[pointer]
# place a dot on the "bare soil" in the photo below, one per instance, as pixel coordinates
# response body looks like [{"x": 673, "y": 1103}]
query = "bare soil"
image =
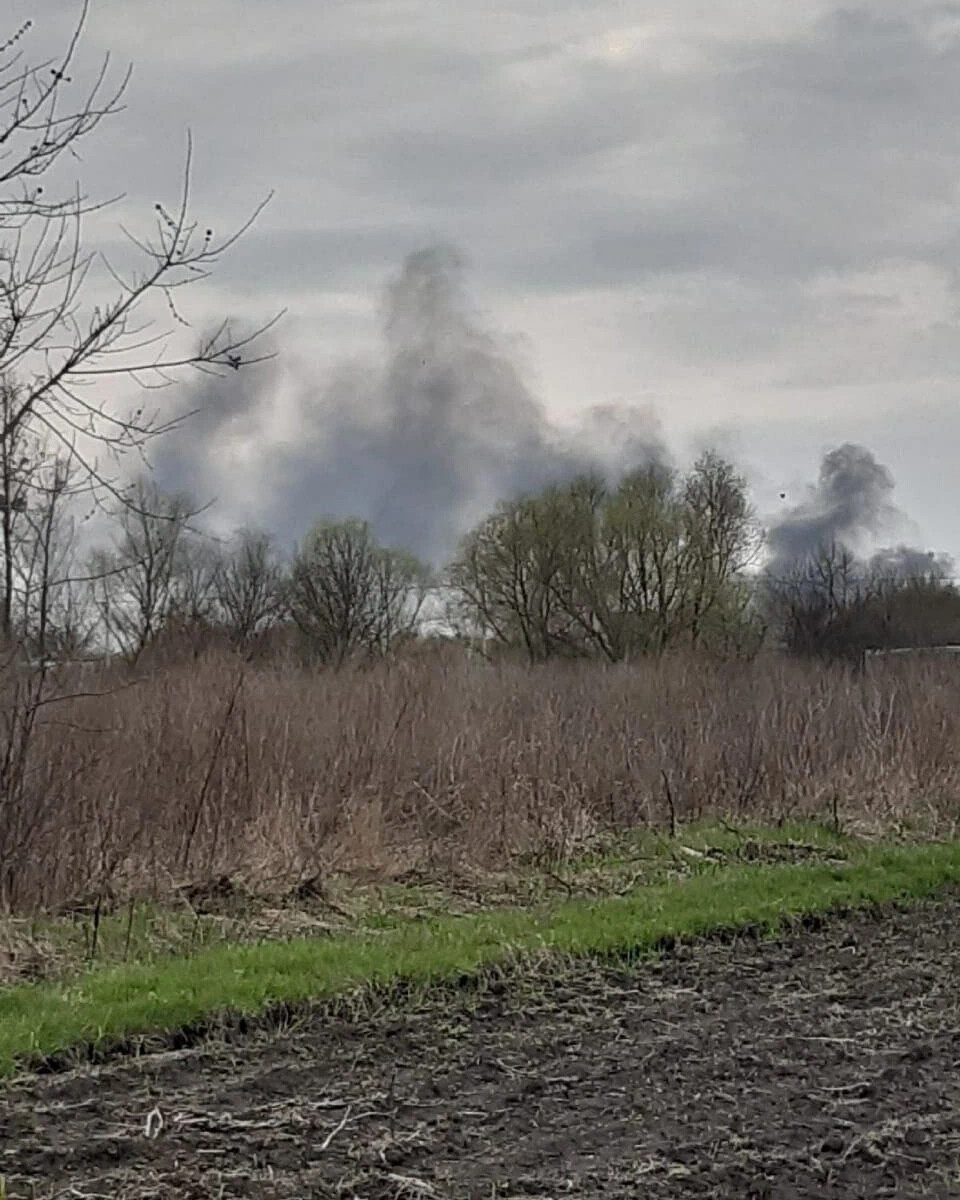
[{"x": 824, "y": 1064}]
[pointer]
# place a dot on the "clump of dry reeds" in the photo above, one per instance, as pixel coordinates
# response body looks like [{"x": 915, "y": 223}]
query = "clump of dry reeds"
[{"x": 259, "y": 772}]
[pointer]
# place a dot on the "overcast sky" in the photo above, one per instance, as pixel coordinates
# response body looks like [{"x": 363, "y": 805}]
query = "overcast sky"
[{"x": 739, "y": 219}]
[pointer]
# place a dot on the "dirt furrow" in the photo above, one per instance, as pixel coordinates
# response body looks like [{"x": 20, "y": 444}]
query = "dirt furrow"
[{"x": 823, "y": 1064}]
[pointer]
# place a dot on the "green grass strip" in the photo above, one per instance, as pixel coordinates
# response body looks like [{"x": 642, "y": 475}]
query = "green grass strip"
[{"x": 121, "y": 1001}]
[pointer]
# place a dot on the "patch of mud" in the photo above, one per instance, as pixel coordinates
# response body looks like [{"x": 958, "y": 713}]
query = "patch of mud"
[{"x": 825, "y": 1064}]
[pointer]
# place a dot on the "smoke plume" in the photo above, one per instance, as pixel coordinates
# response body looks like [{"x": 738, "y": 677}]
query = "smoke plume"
[
  {"x": 851, "y": 506},
  {"x": 421, "y": 444}
]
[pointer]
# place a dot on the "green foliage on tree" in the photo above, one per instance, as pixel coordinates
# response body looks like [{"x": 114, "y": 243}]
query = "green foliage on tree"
[{"x": 651, "y": 563}]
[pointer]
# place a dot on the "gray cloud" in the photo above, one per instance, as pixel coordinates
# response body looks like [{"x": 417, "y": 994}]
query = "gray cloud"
[
  {"x": 747, "y": 211},
  {"x": 421, "y": 444},
  {"x": 772, "y": 148}
]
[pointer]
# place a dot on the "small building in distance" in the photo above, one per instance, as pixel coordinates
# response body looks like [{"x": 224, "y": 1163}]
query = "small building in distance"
[{"x": 895, "y": 654}]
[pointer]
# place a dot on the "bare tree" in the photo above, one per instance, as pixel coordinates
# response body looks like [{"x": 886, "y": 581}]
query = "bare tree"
[
  {"x": 21, "y": 456},
  {"x": 349, "y": 594},
  {"x": 43, "y": 600},
  {"x": 55, "y": 619},
  {"x": 191, "y": 617},
  {"x": 921, "y": 609},
  {"x": 811, "y": 605},
  {"x": 834, "y": 605},
  {"x": 70, "y": 319},
  {"x": 137, "y": 585},
  {"x": 248, "y": 587}
]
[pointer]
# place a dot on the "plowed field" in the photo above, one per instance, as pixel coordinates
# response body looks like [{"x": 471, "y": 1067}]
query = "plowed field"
[{"x": 823, "y": 1064}]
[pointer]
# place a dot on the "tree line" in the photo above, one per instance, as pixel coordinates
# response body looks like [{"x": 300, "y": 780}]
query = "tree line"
[{"x": 655, "y": 561}]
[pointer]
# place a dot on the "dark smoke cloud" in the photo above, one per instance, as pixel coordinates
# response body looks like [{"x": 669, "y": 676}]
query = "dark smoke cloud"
[
  {"x": 421, "y": 444},
  {"x": 907, "y": 562},
  {"x": 851, "y": 505},
  {"x": 215, "y": 414}
]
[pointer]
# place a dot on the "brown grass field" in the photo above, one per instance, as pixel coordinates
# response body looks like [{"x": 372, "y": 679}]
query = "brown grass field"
[
  {"x": 214, "y": 768},
  {"x": 824, "y": 1063}
]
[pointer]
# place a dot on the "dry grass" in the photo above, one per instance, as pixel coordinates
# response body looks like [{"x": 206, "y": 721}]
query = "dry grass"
[
  {"x": 220, "y": 913},
  {"x": 263, "y": 773}
]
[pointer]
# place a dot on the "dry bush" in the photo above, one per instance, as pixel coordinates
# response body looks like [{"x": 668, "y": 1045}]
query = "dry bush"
[{"x": 215, "y": 766}]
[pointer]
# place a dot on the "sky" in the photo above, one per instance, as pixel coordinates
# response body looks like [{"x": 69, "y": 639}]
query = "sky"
[{"x": 513, "y": 238}]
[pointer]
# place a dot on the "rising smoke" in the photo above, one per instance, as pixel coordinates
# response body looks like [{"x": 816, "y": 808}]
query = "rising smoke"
[
  {"x": 421, "y": 444},
  {"x": 850, "y": 506}
]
